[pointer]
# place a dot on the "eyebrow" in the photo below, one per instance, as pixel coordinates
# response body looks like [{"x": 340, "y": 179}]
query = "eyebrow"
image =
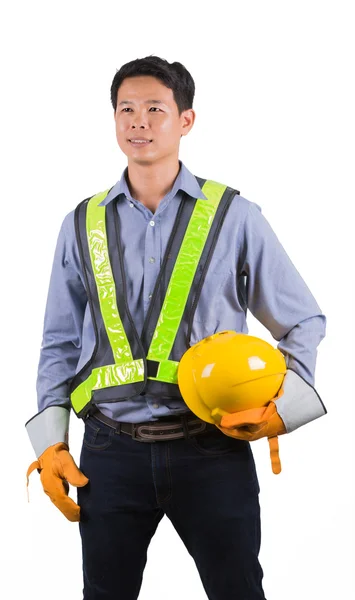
[{"x": 146, "y": 102}]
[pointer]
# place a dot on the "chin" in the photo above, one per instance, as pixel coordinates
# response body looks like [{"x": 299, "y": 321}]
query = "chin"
[
  {"x": 143, "y": 158},
  {"x": 142, "y": 161}
]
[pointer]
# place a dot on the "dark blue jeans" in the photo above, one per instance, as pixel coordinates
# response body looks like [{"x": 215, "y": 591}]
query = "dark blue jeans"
[{"x": 206, "y": 485}]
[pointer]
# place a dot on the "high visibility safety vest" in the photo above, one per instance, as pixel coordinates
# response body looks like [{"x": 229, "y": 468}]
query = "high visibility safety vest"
[{"x": 124, "y": 364}]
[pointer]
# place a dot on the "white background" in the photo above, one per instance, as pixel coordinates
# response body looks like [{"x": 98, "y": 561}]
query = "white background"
[{"x": 275, "y": 118}]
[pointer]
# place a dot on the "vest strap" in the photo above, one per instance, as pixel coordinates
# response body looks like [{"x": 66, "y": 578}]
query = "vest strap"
[
  {"x": 104, "y": 377},
  {"x": 101, "y": 266},
  {"x": 181, "y": 280}
]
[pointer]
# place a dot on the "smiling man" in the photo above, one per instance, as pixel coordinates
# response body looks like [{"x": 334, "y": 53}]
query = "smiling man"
[
  {"x": 148, "y": 130},
  {"x": 142, "y": 271}
]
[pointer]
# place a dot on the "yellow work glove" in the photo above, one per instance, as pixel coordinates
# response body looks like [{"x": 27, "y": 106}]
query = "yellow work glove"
[
  {"x": 253, "y": 424},
  {"x": 58, "y": 469}
]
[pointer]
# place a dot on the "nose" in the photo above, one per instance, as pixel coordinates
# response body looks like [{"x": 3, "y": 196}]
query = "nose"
[{"x": 139, "y": 121}]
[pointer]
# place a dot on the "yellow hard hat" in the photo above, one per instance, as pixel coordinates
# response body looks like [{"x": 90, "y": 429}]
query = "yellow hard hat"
[{"x": 228, "y": 372}]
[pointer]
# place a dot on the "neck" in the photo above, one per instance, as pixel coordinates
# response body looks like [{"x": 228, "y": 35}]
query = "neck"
[{"x": 150, "y": 183}]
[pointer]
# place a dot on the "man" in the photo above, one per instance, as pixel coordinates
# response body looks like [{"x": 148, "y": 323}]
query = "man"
[{"x": 115, "y": 267}]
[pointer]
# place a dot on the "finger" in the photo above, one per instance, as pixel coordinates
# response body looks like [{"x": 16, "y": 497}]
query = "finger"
[
  {"x": 236, "y": 421},
  {"x": 244, "y": 418},
  {"x": 252, "y": 427},
  {"x": 274, "y": 455},
  {"x": 67, "y": 507},
  {"x": 71, "y": 472},
  {"x": 53, "y": 485},
  {"x": 57, "y": 489},
  {"x": 236, "y": 433},
  {"x": 31, "y": 468}
]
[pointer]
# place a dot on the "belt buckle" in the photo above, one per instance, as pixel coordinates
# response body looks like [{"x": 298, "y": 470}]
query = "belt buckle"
[
  {"x": 153, "y": 437},
  {"x": 136, "y": 437}
]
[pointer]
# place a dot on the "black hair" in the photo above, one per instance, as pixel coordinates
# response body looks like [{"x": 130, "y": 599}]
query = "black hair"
[{"x": 173, "y": 75}]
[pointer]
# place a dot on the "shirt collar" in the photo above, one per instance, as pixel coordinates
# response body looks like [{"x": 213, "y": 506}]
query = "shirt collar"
[{"x": 185, "y": 181}]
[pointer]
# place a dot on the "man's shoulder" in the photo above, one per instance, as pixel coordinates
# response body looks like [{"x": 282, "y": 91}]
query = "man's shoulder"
[
  {"x": 202, "y": 180},
  {"x": 240, "y": 207}
]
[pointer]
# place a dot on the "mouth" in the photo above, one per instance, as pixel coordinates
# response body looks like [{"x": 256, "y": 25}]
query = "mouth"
[{"x": 139, "y": 142}]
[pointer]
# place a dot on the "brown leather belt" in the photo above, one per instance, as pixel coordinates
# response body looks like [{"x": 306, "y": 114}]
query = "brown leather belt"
[{"x": 183, "y": 426}]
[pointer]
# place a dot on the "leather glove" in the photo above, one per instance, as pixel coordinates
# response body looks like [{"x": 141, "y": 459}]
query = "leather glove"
[
  {"x": 253, "y": 424},
  {"x": 57, "y": 469}
]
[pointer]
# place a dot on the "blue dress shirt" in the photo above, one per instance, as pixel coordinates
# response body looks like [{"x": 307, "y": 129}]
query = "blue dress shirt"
[{"x": 249, "y": 270}]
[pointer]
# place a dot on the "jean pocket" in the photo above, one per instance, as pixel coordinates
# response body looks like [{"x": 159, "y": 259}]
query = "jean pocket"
[
  {"x": 97, "y": 436},
  {"x": 215, "y": 443}
]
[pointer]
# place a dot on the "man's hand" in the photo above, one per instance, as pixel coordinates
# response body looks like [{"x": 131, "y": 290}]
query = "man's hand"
[
  {"x": 58, "y": 469},
  {"x": 253, "y": 424}
]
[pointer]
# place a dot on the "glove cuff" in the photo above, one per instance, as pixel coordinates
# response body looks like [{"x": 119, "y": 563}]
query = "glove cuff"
[
  {"x": 48, "y": 427},
  {"x": 299, "y": 404}
]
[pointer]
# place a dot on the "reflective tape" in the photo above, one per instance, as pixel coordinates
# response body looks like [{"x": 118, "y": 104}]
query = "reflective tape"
[
  {"x": 181, "y": 279},
  {"x": 104, "y": 377},
  {"x": 105, "y": 284}
]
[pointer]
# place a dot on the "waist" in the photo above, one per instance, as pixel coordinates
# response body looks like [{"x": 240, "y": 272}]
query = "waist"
[
  {"x": 143, "y": 408},
  {"x": 165, "y": 428}
]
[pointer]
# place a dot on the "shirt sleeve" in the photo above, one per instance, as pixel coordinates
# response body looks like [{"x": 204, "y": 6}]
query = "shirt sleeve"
[
  {"x": 63, "y": 322},
  {"x": 278, "y": 296}
]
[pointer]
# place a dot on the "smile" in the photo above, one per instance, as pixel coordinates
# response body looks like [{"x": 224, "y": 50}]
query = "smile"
[{"x": 140, "y": 142}]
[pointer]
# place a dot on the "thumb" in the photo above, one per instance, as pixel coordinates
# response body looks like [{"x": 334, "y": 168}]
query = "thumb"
[{"x": 72, "y": 474}]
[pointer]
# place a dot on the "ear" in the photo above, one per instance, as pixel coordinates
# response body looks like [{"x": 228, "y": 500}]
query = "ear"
[{"x": 187, "y": 120}]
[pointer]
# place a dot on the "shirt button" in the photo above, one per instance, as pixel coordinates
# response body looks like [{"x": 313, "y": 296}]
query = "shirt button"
[
  {"x": 152, "y": 259},
  {"x": 155, "y": 405},
  {"x": 150, "y": 296},
  {"x": 152, "y": 223},
  {"x": 131, "y": 204}
]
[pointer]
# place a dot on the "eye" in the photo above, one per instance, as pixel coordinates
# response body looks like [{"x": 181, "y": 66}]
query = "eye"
[{"x": 152, "y": 107}]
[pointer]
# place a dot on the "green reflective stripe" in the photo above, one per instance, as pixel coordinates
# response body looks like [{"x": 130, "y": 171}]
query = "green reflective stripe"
[
  {"x": 104, "y": 377},
  {"x": 181, "y": 279},
  {"x": 167, "y": 371},
  {"x": 101, "y": 266}
]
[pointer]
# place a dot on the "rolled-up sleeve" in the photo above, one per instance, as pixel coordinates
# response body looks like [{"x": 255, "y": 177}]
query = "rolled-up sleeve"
[
  {"x": 278, "y": 296},
  {"x": 63, "y": 323}
]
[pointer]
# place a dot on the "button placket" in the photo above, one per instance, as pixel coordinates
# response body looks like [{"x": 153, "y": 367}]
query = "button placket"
[{"x": 149, "y": 260}]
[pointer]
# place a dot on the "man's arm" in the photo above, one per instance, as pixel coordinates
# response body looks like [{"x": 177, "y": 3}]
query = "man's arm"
[
  {"x": 61, "y": 344},
  {"x": 280, "y": 299}
]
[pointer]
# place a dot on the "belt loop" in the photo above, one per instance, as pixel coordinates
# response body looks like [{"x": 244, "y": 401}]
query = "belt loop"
[
  {"x": 118, "y": 428},
  {"x": 90, "y": 411},
  {"x": 185, "y": 427},
  {"x": 134, "y": 429}
]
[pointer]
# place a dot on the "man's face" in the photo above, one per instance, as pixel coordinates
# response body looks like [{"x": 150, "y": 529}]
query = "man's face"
[{"x": 146, "y": 110}]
